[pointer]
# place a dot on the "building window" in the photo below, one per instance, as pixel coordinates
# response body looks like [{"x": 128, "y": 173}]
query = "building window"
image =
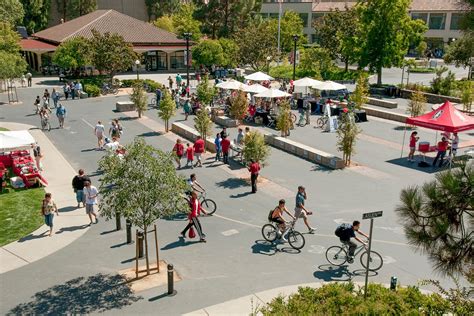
[
  {"x": 314, "y": 38},
  {"x": 437, "y": 21},
  {"x": 420, "y": 16},
  {"x": 304, "y": 17},
  {"x": 455, "y": 18},
  {"x": 177, "y": 60},
  {"x": 316, "y": 17}
]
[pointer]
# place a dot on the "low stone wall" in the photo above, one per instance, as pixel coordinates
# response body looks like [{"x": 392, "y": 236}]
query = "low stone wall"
[
  {"x": 226, "y": 121},
  {"x": 191, "y": 134},
  {"x": 385, "y": 114},
  {"x": 125, "y": 106},
  {"x": 382, "y": 103},
  {"x": 430, "y": 97},
  {"x": 305, "y": 152}
]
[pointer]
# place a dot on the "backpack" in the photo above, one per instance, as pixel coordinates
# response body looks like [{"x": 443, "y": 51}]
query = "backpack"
[
  {"x": 341, "y": 228},
  {"x": 270, "y": 215}
]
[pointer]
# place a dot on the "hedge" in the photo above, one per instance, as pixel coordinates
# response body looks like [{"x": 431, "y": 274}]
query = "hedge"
[
  {"x": 151, "y": 84},
  {"x": 92, "y": 90}
]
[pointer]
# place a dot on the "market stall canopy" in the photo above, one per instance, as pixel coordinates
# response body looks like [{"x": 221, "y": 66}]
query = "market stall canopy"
[
  {"x": 258, "y": 76},
  {"x": 273, "y": 93},
  {"x": 255, "y": 88},
  {"x": 232, "y": 85},
  {"x": 329, "y": 86},
  {"x": 445, "y": 118},
  {"x": 15, "y": 140},
  {"x": 306, "y": 82}
]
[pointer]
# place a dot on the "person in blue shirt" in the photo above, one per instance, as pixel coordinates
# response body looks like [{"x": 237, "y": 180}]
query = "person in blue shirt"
[
  {"x": 158, "y": 96},
  {"x": 300, "y": 209},
  {"x": 61, "y": 114},
  {"x": 217, "y": 142}
]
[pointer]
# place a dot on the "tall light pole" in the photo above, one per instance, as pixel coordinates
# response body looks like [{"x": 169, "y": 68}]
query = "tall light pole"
[
  {"x": 187, "y": 36},
  {"x": 269, "y": 58},
  {"x": 137, "y": 65},
  {"x": 279, "y": 23},
  {"x": 295, "y": 39}
]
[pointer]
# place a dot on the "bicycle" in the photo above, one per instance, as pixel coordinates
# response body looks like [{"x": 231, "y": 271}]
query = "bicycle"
[
  {"x": 338, "y": 255},
  {"x": 302, "y": 120},
  {"x": 295, "y": 238},
  {"x": 45, "y": 124},
  {"x": 209, "y": 205},
  {"x": 106, "y": 89},
  {"x": 322, "y": 121},
  {"x": 153, "y": 101}
]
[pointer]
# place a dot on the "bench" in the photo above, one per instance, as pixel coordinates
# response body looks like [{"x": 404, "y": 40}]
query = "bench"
[
  {"x": 125, "y": 106},
  {"x": 226, "y": 121},
  {"x": 382, "y": 103}
]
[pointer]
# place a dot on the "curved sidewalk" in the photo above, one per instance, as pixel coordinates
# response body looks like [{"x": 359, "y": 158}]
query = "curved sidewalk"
[{"x": 68, "y": 226}]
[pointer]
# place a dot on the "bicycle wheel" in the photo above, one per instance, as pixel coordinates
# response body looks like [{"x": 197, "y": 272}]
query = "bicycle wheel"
[
  {"x": 209, "y": 205},
  {"x": 375, "y": 261},
  {"x": 336, "y": 255},
  {"x": 153, "y": 101},
  {"x": 269, "y": 232},
  {"x": 114, "y": 90},
  {"x": 293, "y": 117},
  {"x": 296, "y": 240},
  {"x": 321, "y": 122}
]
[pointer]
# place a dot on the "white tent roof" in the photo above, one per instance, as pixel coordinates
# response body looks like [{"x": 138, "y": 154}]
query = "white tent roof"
[
  {"x": 329, "y": 85},
  {"x": 232, "y": 85},
  {"x": 256, "y": 88},
  {"x": 306, "y": 82},
  {"x": 273, "y": 93},
  {"x": 258, "y": 76},
  {"x": 15, "y": 140}
]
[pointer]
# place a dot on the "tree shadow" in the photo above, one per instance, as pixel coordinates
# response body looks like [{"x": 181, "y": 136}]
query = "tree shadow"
[
  {"x": 95, "y": 294},
  {"x": 127, "y": 118},
  {"x": 328, "y": 272},
  {"x": 232, "y": 183}
]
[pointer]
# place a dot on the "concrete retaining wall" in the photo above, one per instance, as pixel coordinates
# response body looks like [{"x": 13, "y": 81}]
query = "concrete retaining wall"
[
  {"x": 382, "y": 103},
  {"x": 385, "y": 114},
  {"x": 226, "y": 121},
  {"x": 431, "y": 98},
  {"x": 125, "y": 106},
  {"x": 191, "y": 134}
]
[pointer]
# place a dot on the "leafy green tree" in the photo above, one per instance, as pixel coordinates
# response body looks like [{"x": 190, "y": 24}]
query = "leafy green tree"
[
  {"x": 203, "y": 123},
  {"x": 9, "y": 39},
  {"x": 11, "y": 65},
  {"x": 421, "y": 49},
  {"x": 316, "y": 62},
  {"x": 166, "y": 109},
  {"x": 256, "y": 42},
  {"x": 165, "y": 22},
  {"x": 255, "y": 148},
  {"x": 443, "y": 85},
  {"x": 386, "y": 32},
  {"x": 284, "y": 118},
  {"x": 361, "y": 92},
  {"x": 208, "y": 52},
  {"x": 139, "y": 98},
  {"x": 417, "y": 104},
  {"x": 36, "y": 16},
  {"x": 71, "y": 9},
  {"x": 467, "y": 95},
  {"x": 239, "y": 105},
  {"x": 184, "y": 22},
  {"x": 11, "y": 11},
  {"x": 347, "y": 132},
  {"x": 205, "y": 92},
  {"x": 110, "y": 53},
  {"x": 467, "y": 22},
  {"x": 291, "y": 24},
  {"x": 158, "y": 8},
  {"x": 437, "y": 218},
  {"x": 143, "y": 185},
  {"x": 461, "y": 51},
  {"x": 73, "y": 53},
  {"x": 230, "y": 50}
]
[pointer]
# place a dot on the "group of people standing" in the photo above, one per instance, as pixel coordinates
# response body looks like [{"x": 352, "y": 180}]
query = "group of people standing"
[
  {"x": 446, "y": 143},
  {"x": 72, "y": 89}
]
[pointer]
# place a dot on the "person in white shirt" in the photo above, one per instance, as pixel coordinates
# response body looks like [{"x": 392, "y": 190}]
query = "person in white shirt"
[
  {"x": 90, "y": 195},
  {"x": 454, "y": 144},
  {"x": 99, "y": 131},
  {"x": 78, "y": 89}
]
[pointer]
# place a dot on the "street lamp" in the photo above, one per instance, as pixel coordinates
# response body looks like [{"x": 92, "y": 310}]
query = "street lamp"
[
  {"x": 187, "y": 36},
  {"x": 269, "y": 58},
  {"x": 295, "y": 39},
  {"x": 137, "y": 64}
]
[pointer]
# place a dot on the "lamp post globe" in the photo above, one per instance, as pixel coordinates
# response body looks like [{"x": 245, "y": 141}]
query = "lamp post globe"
[{"x": 137, "y": 65}]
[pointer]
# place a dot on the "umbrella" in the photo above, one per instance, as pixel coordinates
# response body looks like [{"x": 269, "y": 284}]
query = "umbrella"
[
  {"x": 258, "y": 76},
  {"x": 232, "y": 85},
  {"x": 273, "y": 93},
  {"x": 255, "y": 88},
  {"x": 306, "y": 82},
  {"x": 329, "y": 85}
]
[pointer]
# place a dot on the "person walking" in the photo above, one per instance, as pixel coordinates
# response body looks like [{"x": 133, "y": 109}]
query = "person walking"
[
  {"x": 158, "y": 95},
  {"x": 72, "y": 86},
  {"x": 55, "y": 97},
  {"x": 198, "y": 150},
  {"x": 442, "y": 148},
  {"x": 29, "y": 78},
  {"x": 170, "y": 82},
  {"x": 46, "y": 95},
  {"x": 78, "y": 186},
  {"x": 196, "y": 210},
  {"x": 413, "y": 140},
  {"x": 300, "y": 209},
  {"x": 225, "y": 144},
  {"x": 187, "y": 109},
  {"x": 217, "y": 143},
  {"x": 189, "y": 155},
  {"x": 48, "y": 208},
  {"x": 178, "y": 80},
  {"x": 115, "y": 129},
  {"x": 254, "y": 169},
  {"x": 37, "y": 104},
  {"x": 61, "y": 115},
  {"x": 454, "y": 144},
  {"x": 66, "y": 90},
  {"x": 178, "y": 149},
  {"x": 38, "y": 155},
  {"x": 78, "y": 88},
  {"x": 90, "y": 195},
  {"x": 99, "y": 131}
]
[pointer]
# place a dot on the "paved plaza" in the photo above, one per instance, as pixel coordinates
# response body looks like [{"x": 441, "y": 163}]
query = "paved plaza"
[{"x": 79, "y": 275}]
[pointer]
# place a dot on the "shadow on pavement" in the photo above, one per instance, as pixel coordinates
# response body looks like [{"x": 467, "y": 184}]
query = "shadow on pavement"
[
  {"x": 236, "y": 196},
  {"x": 127, "y": 118},
  {"x": 71, "y": 228},
  {"x": 403, "y": 162},
  {"x": 232, "y": 183},
  {"x": 95, "y": 294},
  {"x": 329, "y": 272},
  {"x": 322, "y": 168},
  {"x": 181, "y": 242},
  {"x": 31, "y": 236},
  {"x": 361, "y": 272},
  {"x": 177, "y": 217},
  {"x": 150, "y": 134},
  {"x": 403, "y": 127},
  {"x": 267, "y": 248},
  {"x": 67, "y": 209}
]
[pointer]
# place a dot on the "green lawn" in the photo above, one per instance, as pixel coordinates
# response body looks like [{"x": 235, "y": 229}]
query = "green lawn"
[
  {"x": 3, "y": 129},
  {"x": 20, "y": 213}
]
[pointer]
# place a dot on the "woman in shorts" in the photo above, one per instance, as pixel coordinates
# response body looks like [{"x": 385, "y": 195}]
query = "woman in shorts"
[
  {"x": 179, "y": 151},
  {"x": 413, "y": 140},
  {"x": 48, "y": 209}
]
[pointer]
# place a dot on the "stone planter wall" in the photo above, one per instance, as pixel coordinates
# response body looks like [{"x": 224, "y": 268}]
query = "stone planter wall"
[
  {"x": 125, "y": 106},
  {"x": 430, "y": 98},
  {"x": 191, "y": 134}
]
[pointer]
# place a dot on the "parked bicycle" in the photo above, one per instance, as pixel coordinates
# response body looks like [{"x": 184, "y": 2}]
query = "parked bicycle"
[
  {"x": 338, "y": 255},
  {"x": 270, "y": 232},
  {"x": 302, "y": 119},
  {"x": 109, "y": 89}
]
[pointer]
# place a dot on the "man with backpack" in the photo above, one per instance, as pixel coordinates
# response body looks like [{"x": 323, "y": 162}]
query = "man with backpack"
[{"x": 347, "y": 231}]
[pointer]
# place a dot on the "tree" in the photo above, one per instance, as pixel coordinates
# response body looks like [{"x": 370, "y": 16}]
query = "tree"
[
  {"x": 467, "y": 95},
  {"x": 158, "y": 8},
  {"x": 143, "y": 185},
  {"x": 437, "y": 218},
  {"x": 239, "y": 105},
  {"x": 255, "y": 148},
  {"x": 208, "y": 52},
  {"x": 421, "y": 49},
  {"x": 73, "y": 53},
  {"x": 11, "y": 65},
  {"x": 230, "y": 51},
  {"x": 166, "y": 109},
  {"x": 440, "y": 85},
  {"x": 9, "y": 39},
  {"x": 110, "y": 53},
  {"x": 11, "y": 11},
  {"x": 139, "y": 98},
  {"x": 315, "y": 62},
  {"x": 71, "y": 9},
  {"x": 386, "y": 33},
  {"x": 205, "y": 92},
  {"x": 36, "y": 16},
  {"x": 291, "y": 24},
  {"x": 461, "y": 51},
  {"x": 256, "y": 42},
  {"x": 202, "y": 123},
  {"x": 184, "y": 22},
  {"x": 284, "y": 118},
  {"x": 165, "y": 22},
  {"x": 361, "y": 92},
  {"x": 467, "y": 22},
  {"x": 347, "y": 132},
  {"x": 417, "y": 104}
]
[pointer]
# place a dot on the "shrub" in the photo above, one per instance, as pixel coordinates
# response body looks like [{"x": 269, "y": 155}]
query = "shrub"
[
  {"x": 92, "y": 90},
  {"x": 255, "y": 148},
  {"x": 417, "y": 104},
  {"x": 239, "y": 105},
  {"x": 150, "y": 85},
  {"x": 139, "y": 98}
]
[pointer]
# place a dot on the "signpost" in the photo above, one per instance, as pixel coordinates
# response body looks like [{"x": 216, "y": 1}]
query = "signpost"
[{"x": 370, "y": 216}]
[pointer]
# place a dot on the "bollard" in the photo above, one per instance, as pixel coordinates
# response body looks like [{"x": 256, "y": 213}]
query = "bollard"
[
  {"x": 171, "y": 290},
  {"x": 393, "y": 283},
  {"x": 118, "y": 222},
  {"x": 129, "y": 231},
  {"x": 140, "y": 238}
]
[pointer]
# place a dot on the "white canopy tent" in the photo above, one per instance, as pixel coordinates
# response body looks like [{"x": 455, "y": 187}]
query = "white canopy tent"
[
  {"x": 232, "y": 85},
  {"x": 329, "y": 86},
  {"x": 258, "y": 76},
  {"x": 306, "y": 82},
  {"x": 273, "y": 93},
  {"x": 255, "y": 88},
  {"x": 15, "y": 140}
]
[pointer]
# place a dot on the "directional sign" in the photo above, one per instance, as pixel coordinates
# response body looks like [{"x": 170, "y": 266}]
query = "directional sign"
[{"x": 372, "y": 215}]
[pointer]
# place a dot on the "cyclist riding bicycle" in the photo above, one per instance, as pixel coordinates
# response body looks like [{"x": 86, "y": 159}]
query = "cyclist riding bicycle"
[
  {"x": 347, "y": 231},
  {"x": 277, "y": 216},
  {"x": 195, "y": 186}
]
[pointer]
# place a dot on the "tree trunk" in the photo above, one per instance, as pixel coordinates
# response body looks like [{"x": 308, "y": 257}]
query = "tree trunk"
[
  {"x": 146, "y": 251},
  {"x": 139, "y": 114},
  {"x": 379, "y": 75},
  {"x": 166, "y": 126},
  {"x": 346, "y": 67}
]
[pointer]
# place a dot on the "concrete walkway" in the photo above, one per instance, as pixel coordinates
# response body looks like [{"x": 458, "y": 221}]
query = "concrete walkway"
[{"x": 68, "y": 226}]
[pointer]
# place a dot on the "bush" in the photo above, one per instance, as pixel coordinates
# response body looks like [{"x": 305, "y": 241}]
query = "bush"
[
  {"x": 423, "y": 70},
  {"x": 151, "y": 85},
  {"x": 92, "y": 90}
]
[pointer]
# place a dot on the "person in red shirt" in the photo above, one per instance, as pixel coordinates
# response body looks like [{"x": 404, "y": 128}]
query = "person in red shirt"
[
  {"x": 179, "y": 151},
  {"x": 189, "y": 155},
  {"x": 254, "y": 169},
  {"x": 442, "y": 148},
  {"x": 413, "y": 140},
  {"x": 196, "y": 210},
  {"x": 225, "y": 145},
  {"x": 198, "y": 150}
]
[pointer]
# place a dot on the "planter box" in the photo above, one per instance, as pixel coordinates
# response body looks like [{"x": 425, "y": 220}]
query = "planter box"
[
  {"x": 226, "y": 121},
  {"x": 125, "y": 106},
  {"x": 383, "y": 103},
  {"x": 431, "y": 98}
]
